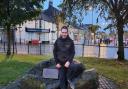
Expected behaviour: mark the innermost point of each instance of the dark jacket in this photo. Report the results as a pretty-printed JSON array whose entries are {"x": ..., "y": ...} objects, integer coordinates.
[{"x": 64, "y": 50}]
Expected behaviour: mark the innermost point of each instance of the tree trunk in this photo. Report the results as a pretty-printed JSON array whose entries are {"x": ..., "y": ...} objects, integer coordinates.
[
  {"x": 57, "y": 26},
  {"x": 120, "y": 40},
  {"x": 8, "y": 41},
  {"x": 13, "y": 40}
]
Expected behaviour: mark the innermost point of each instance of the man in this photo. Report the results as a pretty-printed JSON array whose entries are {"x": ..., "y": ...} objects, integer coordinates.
[{"x": 63, "y": 53}]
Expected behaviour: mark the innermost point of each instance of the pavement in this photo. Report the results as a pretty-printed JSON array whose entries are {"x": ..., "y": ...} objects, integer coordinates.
[{"x": 105, "y": 83}]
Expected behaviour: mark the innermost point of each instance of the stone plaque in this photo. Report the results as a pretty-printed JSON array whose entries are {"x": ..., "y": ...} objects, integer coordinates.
[{"x": 50, "y": 73}]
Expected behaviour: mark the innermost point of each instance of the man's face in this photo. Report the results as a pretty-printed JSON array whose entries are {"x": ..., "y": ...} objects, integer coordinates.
[{"x": 64, "y": 33}]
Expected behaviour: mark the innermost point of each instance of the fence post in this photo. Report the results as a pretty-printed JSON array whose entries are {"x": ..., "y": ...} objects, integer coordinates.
[
  {"x": 99, "y": 51},
  {"x": 83, "y": 51},
  {"x": 28, "y": 48},
  {"x": 40, "y": 49},
  {"x": 13, "y": 46},
  {"x": 4, "y": 46},
  {"x": 16, "y": 47},
  {"x": 83, "y": 45}
]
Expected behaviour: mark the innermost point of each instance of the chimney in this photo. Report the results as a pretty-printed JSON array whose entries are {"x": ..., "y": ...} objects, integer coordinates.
[{"x": 50, "y": 3}]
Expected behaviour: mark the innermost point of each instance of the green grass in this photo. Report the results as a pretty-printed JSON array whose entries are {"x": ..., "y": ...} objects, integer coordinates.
[
  {"x": 16, "y": 67},
  {"x": 114, "y": 70}
]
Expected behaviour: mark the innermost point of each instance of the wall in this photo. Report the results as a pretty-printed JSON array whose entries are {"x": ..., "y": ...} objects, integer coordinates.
[{"x": 27, "y": 36}]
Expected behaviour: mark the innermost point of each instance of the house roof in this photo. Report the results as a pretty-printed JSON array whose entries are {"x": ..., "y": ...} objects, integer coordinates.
[
  {"x": 49, "y": 14},
  {"x": 45, "y": 17}
]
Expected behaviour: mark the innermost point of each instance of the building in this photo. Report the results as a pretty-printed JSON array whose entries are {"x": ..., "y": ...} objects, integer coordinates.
[
  {"x": 81, "y": 33},
  {"x": 42, "y": 29}
]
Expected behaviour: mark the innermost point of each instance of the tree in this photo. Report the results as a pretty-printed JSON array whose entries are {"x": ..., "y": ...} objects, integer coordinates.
[
  {"x": 14, "y": 12},
  {"x": 93, "y": 29},
  {"x": 59, "y": 20},
  {"x": 114, "y": 10}
]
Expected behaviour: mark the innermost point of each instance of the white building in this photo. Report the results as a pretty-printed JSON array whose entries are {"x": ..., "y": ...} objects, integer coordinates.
[{"x": 42, "y": 29}]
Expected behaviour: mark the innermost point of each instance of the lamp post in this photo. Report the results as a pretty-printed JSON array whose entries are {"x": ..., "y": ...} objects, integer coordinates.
[
  {"x": 84, "y": 44},
  {"x": 93, "y": 38},
  {"x": 90, "y": 7}
]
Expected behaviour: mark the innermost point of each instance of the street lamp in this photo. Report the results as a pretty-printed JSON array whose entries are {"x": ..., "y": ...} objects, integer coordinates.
[{"x": 90, "y": 6}]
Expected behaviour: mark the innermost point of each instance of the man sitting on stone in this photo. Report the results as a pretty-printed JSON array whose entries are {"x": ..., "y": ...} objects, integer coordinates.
[{"x": 63, "y": 54}]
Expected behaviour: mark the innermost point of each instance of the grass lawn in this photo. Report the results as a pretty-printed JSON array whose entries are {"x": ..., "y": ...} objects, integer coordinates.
[
  {"x": 16, "y": 67},
  {"x": 117, "y": 71}
]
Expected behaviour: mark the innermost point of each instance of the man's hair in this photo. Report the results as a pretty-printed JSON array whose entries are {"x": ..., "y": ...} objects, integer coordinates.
[{"x": 64, "y": 27}]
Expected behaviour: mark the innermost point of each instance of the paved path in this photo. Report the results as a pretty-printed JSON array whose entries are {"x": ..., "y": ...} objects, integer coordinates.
[{"x": 105, "y": 83}]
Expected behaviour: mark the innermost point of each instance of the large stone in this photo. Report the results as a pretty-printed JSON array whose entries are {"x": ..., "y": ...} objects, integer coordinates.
[
  {"x": 34, "y": 80},
  {"x": 88, "y": 80},
  {"x": 26, "y": 82}
]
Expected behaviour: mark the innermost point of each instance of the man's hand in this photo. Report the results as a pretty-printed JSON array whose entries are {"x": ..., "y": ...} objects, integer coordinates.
[
  {"x": 58, "y": 66},
  {"x": 67, "y": 64}
]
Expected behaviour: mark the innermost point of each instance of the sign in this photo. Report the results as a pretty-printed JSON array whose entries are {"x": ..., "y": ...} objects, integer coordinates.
[
  {"x": 50, "y": 73},
  {"x": 37, "y": 30},
  {"x": 35, "y": 42}
]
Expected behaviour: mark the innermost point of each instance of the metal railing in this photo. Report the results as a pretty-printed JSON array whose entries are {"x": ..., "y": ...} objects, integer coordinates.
[{"x": 101, "y": 51}]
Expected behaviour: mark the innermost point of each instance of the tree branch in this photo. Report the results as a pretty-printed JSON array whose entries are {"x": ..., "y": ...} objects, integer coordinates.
[{"x": 109, "y": 5}]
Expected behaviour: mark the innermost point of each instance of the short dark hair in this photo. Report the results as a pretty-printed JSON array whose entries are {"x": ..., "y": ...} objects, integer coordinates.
[{"x": 64, "y": 27}]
